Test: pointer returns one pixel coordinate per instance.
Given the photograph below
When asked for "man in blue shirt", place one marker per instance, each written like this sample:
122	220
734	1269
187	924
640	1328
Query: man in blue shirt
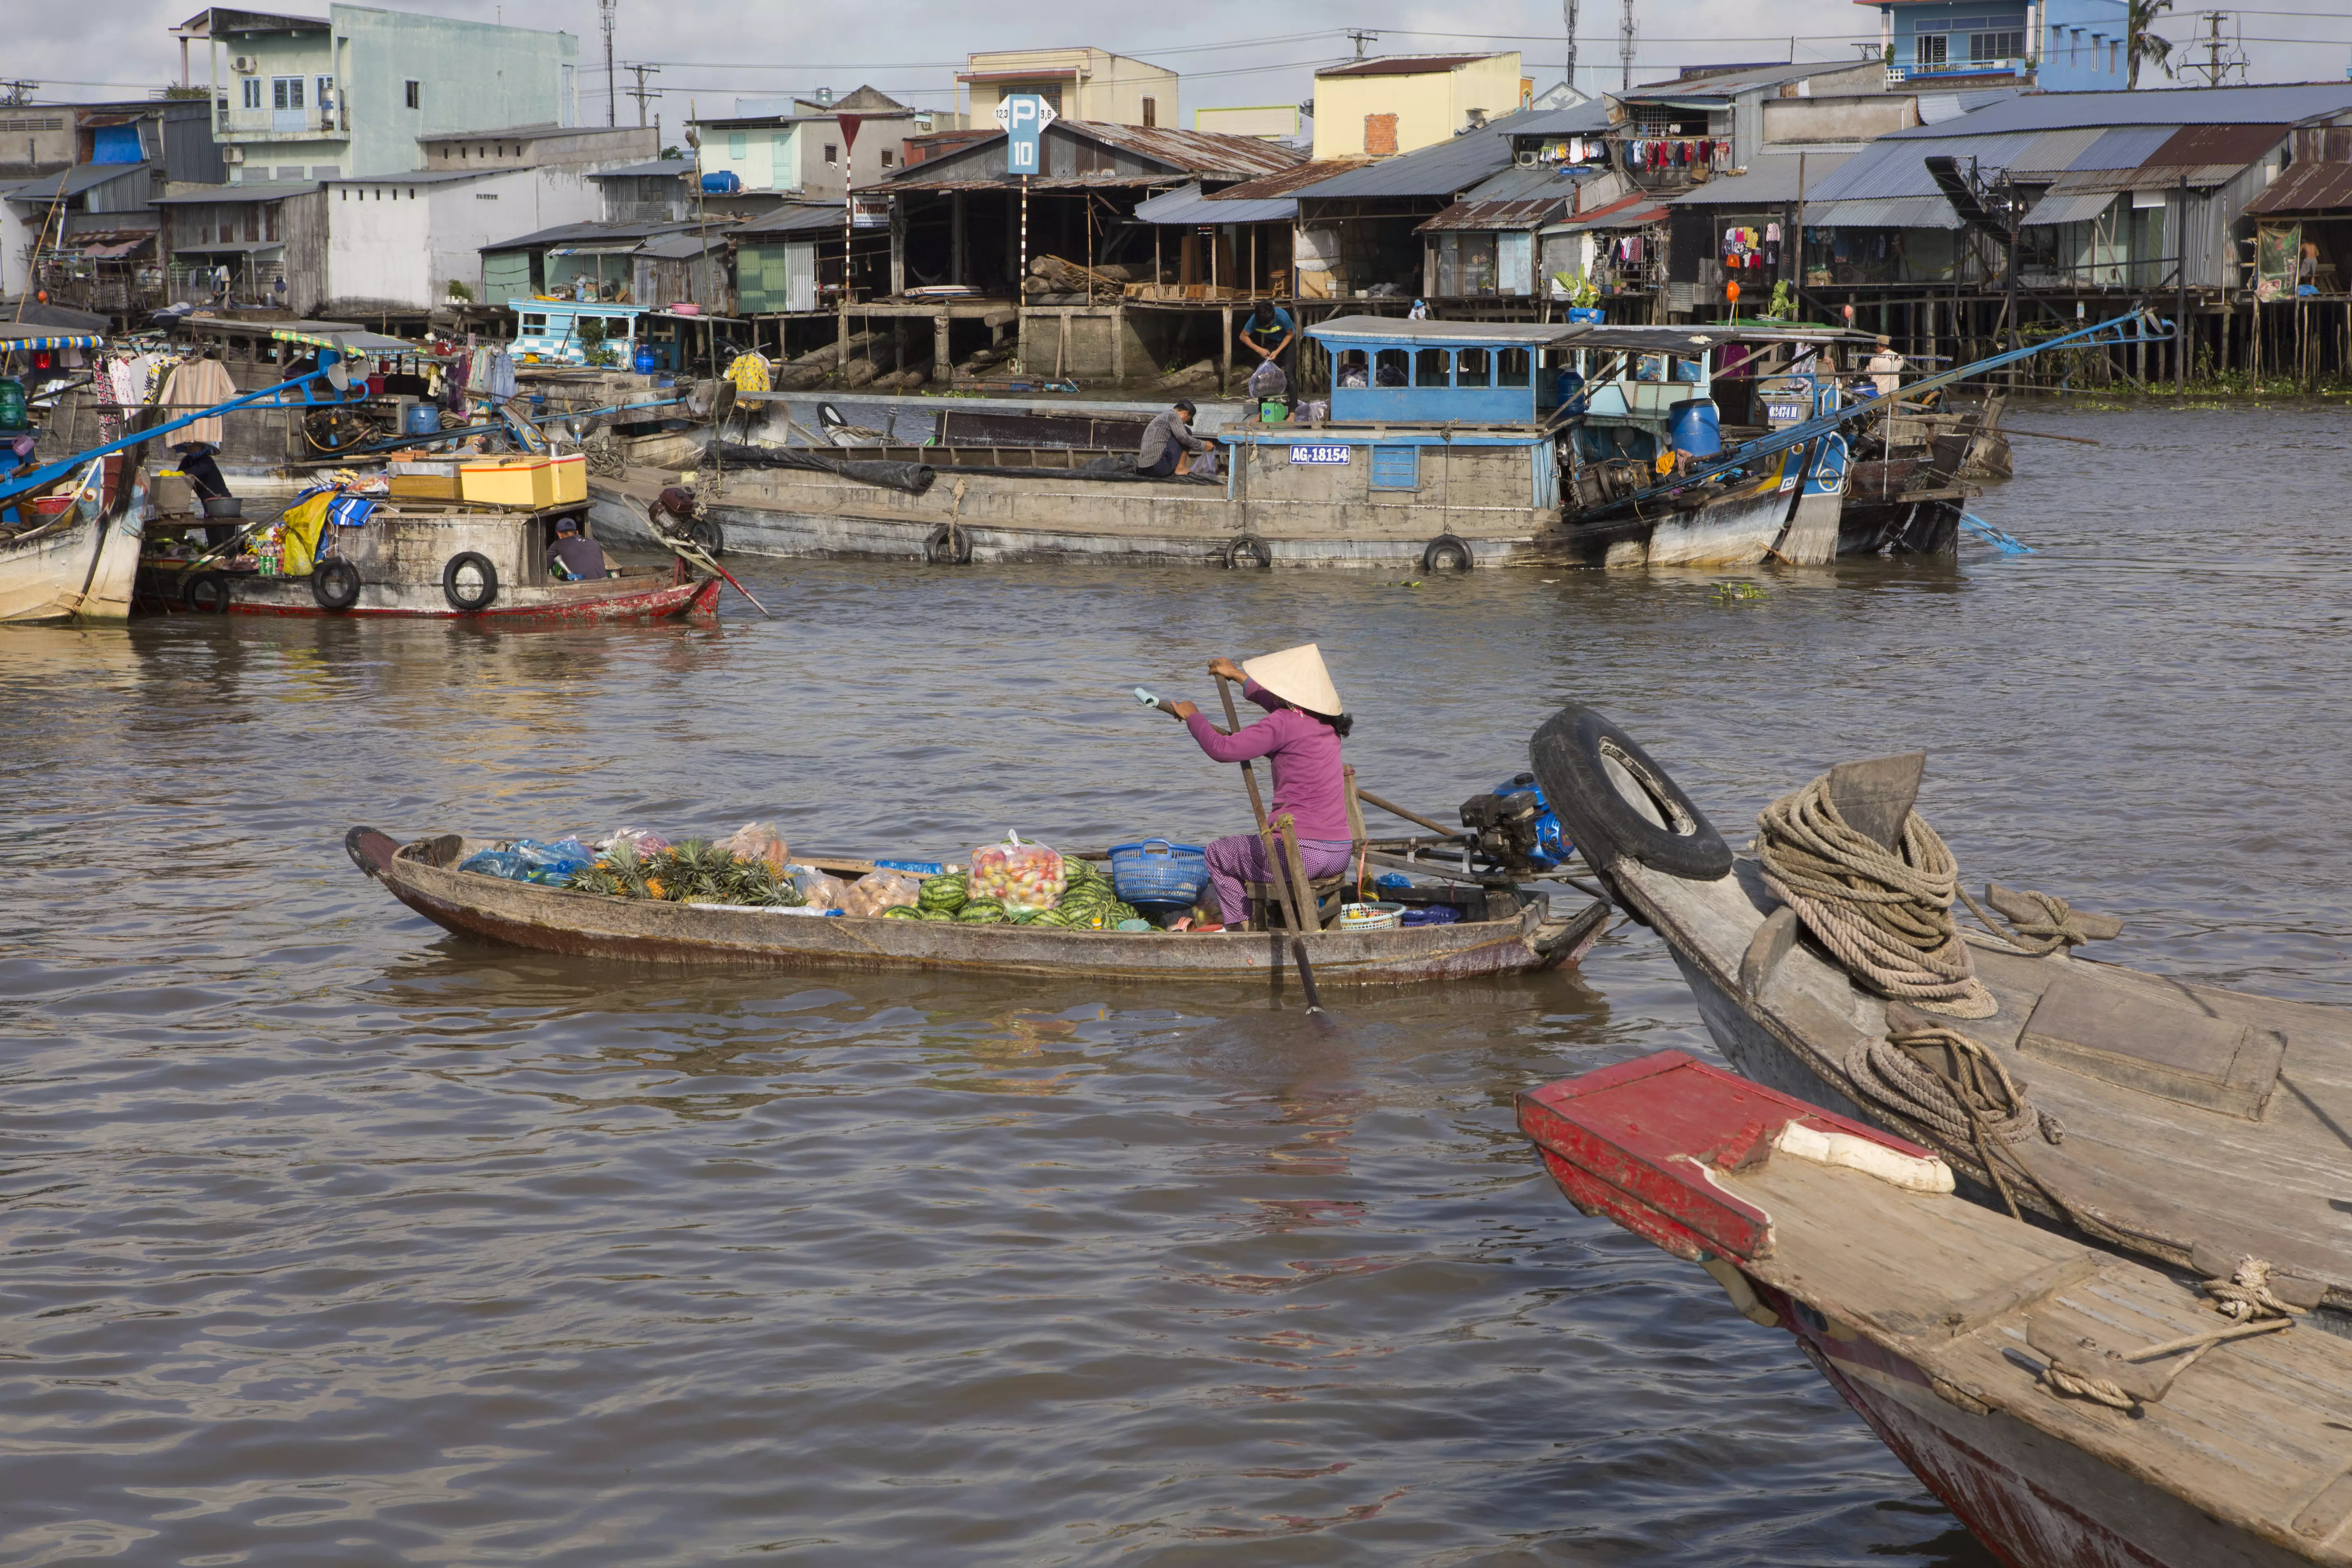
1268	332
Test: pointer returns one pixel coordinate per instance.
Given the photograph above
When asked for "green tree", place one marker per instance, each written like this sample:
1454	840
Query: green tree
2144	45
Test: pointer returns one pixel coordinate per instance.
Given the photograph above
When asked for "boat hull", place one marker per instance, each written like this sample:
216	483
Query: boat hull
661	600
80	570
554	920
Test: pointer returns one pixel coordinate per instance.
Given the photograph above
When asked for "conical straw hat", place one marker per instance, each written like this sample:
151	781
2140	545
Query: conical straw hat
1296	676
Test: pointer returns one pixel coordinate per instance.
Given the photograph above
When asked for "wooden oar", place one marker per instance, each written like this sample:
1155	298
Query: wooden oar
1275	870
2046	435
687	549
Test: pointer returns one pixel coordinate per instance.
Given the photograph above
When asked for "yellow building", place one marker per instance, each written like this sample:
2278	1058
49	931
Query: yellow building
1372	109
1081	84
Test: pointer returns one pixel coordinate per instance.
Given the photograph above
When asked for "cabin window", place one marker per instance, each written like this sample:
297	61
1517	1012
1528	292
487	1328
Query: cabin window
1396	467
1150	112
1352	369
534	323
1433	367
1512	367
1391	368
1474	367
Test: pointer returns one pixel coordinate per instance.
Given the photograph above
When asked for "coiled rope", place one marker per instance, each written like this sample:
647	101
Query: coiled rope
1968	1098
1887	916
2096	1389
2245	1294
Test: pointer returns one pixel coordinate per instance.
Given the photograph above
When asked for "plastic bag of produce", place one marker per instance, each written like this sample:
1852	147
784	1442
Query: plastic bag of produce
819	891
529	860
879	890
641	843
1019	876
758	841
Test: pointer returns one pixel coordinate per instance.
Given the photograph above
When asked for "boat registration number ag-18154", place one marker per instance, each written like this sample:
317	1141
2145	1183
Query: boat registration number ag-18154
1787	413
1318	454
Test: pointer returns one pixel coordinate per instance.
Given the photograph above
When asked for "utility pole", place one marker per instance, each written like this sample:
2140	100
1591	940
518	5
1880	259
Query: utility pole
1568	15
20	93
641	92
1625	48
604	14
2216	67
1360	39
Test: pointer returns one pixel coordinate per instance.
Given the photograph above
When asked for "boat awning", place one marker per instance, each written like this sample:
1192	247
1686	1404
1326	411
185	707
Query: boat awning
12	337
229	247
2080	208
357	341
1388	330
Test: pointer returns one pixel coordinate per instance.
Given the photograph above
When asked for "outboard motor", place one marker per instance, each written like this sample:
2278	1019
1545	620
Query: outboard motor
1514	825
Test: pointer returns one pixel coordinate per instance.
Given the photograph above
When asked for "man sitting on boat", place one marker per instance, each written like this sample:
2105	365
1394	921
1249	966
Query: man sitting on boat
573	558
1169	435
1301	736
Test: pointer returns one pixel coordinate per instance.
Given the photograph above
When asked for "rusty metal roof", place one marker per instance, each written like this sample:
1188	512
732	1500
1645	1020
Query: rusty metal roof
1195	154
1483	217
1291	179
2237	145
2307	188
1404	65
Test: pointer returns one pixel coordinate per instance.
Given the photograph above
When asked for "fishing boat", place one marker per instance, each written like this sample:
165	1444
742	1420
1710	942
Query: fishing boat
2181	1123
2073	1409
1521	933
441	560
1445	449
68	550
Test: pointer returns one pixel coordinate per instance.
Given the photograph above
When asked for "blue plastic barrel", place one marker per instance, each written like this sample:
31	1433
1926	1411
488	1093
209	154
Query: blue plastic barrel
423	419
1156	871
1693	426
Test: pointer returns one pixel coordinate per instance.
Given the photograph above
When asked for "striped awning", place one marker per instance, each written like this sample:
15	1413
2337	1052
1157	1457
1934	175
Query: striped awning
15	337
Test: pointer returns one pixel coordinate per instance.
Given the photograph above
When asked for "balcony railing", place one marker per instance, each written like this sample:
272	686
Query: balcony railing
1897	75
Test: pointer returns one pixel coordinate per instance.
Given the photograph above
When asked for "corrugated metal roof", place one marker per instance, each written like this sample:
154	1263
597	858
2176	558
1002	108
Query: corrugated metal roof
1721	88
1896	212
2201	145
2307	188
2057	209
2178	106
251	191
1190	206
1517	185
676	246
1404	65
1210	155
1484	217
2053	150
1454	165
1895	165
587	234
2123	147
1770	180
1626	212
1289	180
1935	108
642	170
1399	329
2153	177
78	179
824	218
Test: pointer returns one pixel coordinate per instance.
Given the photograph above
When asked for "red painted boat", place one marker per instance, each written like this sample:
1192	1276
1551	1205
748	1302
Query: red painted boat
2041	1389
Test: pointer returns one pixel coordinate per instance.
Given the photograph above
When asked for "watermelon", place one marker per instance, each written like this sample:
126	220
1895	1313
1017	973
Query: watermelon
933	914
981	912
1049	917
1074	871
942	893
902	912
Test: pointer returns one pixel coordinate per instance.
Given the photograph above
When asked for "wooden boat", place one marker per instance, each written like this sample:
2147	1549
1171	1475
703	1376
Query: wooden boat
1446	453
424	876
1966	1339
2182	1123
73	550
430	559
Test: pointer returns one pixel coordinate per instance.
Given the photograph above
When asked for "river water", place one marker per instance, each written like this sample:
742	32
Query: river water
331	1237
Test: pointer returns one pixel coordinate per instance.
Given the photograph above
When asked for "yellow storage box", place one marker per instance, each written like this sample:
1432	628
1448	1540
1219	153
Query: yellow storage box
521	481
569	473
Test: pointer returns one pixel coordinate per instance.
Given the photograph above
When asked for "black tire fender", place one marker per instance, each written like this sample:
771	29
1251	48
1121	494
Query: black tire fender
334	583
1446	553
1248	550
949	546
1587	764
206	593
707	532
460	600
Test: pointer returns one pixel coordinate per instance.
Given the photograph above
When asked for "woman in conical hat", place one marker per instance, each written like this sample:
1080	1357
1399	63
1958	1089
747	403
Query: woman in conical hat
1300	736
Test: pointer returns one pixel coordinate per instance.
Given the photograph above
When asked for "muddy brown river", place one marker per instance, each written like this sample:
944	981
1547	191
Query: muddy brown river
330	1237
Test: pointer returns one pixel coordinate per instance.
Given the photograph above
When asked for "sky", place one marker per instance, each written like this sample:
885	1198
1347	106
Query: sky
1229	51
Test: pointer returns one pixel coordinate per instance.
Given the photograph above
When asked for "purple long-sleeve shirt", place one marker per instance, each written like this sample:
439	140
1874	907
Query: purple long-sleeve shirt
1304	753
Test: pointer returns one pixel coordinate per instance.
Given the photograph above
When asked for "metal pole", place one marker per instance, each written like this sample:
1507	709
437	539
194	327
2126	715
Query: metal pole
2180	297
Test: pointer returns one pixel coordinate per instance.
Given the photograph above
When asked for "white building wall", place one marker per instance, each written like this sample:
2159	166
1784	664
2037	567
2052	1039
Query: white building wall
400	245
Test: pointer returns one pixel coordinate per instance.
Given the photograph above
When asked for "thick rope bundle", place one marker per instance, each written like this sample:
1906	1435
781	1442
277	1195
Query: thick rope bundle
2098	1390
604	459
1886	916
1970	1102
2245	1295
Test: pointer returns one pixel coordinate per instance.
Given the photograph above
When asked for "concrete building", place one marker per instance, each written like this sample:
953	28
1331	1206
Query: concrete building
806	153
1080	83
1273	121
539	146
354	95
1378	108
660	190
397	242
2058	46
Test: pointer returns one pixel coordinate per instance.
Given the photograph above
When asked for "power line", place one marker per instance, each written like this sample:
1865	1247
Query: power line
641	92
1359	40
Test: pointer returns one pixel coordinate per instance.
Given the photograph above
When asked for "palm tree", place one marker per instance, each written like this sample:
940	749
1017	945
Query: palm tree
2143	45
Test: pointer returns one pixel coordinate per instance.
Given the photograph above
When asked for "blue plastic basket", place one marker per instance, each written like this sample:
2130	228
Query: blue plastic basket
1156	871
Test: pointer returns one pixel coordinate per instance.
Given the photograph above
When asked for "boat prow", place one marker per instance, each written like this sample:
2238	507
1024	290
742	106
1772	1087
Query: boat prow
2022	1376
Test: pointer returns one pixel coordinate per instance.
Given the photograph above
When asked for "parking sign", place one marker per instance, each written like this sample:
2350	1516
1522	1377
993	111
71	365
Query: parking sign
1024	117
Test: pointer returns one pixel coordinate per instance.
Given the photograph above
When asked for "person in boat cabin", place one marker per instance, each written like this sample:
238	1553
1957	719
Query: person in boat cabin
573	558
1885	368
1168	434
1300	737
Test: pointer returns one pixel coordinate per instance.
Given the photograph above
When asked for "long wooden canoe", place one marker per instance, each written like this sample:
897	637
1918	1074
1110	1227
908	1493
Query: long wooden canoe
1938	1320
424	876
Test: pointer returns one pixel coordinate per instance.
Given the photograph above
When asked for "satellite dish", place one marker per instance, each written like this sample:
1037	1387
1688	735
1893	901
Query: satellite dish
338	370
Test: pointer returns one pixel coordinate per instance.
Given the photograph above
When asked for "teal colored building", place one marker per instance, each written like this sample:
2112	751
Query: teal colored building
350	96
2058	46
